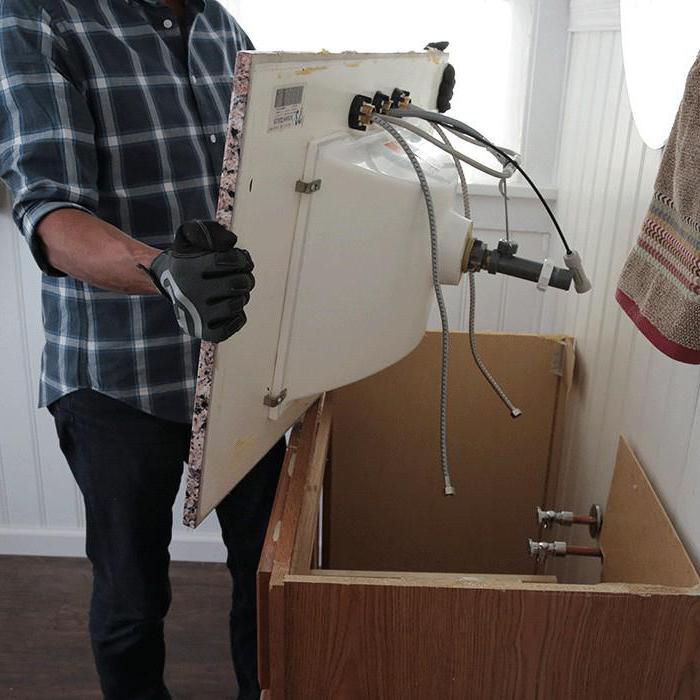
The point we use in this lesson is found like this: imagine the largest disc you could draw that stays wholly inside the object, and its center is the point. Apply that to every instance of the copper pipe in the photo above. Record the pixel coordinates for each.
(544, 550)
(566, 518)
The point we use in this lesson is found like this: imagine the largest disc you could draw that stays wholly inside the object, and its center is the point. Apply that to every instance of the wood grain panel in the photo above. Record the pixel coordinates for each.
(390, 641)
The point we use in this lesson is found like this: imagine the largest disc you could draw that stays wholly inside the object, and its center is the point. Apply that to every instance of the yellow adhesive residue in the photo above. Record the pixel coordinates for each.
(292, 462)
(244, 442)
(352, 65)
(310, 69)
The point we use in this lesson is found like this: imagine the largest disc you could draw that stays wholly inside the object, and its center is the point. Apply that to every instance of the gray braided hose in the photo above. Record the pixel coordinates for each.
(514, 412)
(449, 489)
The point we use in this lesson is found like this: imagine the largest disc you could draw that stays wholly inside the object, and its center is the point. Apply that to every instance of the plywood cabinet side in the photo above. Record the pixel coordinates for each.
(306, 530)
(280, 537)
(267, 560)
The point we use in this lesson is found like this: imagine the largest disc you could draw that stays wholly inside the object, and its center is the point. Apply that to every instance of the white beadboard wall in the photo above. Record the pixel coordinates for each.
(624, 385)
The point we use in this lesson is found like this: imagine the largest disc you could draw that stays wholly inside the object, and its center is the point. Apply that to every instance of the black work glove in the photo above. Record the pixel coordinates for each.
(446, 90)
(207, 279)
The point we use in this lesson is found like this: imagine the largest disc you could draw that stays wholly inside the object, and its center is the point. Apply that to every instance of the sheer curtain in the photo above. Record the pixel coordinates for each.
(489, 44)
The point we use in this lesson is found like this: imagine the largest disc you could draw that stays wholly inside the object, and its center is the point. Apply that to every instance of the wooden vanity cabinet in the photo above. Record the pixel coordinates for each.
(372, 584)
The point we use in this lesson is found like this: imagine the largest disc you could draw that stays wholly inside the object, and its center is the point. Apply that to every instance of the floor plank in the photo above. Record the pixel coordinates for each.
(44, 648)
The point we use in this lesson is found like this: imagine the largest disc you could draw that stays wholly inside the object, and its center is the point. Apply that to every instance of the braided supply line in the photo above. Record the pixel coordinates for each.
(444, 373)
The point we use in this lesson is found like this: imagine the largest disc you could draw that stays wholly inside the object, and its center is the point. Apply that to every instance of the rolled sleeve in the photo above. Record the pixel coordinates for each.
(28, 220)
(47, 147)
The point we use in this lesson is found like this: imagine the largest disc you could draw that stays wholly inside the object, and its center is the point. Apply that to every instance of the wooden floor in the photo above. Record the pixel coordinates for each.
(44, 648)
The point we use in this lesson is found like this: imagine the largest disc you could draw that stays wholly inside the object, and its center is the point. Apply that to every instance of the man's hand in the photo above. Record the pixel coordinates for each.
(207, 279)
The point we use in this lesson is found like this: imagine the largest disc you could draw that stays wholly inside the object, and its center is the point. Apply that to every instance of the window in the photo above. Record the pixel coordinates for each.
(489, 44)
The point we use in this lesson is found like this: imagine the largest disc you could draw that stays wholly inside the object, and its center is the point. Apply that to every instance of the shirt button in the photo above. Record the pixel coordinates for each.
(212, 138)
(168, 24)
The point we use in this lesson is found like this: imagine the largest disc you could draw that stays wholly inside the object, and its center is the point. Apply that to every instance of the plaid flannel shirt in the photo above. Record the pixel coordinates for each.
(108, 107)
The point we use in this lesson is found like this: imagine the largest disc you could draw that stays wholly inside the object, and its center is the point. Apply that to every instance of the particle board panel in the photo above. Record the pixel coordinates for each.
(446, 579)
(387, 640)
(639, 542)
(387, 509)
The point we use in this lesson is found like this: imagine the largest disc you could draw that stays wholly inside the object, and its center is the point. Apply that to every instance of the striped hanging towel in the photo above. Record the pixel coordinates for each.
(660, 283)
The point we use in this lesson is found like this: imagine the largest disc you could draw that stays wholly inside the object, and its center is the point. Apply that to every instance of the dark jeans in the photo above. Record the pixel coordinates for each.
(128, 465)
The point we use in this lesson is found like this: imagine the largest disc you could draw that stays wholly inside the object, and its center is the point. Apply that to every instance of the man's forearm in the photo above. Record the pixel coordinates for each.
(96, 252)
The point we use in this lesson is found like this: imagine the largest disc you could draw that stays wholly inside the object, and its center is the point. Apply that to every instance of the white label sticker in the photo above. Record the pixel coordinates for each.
(287, 108)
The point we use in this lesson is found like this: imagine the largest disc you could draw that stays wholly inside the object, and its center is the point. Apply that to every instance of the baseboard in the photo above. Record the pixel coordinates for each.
(71, 543)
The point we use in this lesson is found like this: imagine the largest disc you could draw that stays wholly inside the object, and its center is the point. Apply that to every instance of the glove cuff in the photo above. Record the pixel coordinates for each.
(153, 274)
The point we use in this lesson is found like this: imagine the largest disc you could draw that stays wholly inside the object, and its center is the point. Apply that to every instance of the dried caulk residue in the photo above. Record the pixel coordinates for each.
(310, 69)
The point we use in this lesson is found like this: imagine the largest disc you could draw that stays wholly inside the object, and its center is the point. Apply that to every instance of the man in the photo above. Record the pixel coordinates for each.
(113, 118)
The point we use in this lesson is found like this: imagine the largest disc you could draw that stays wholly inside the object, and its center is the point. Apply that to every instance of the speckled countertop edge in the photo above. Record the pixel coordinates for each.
(207, 355)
